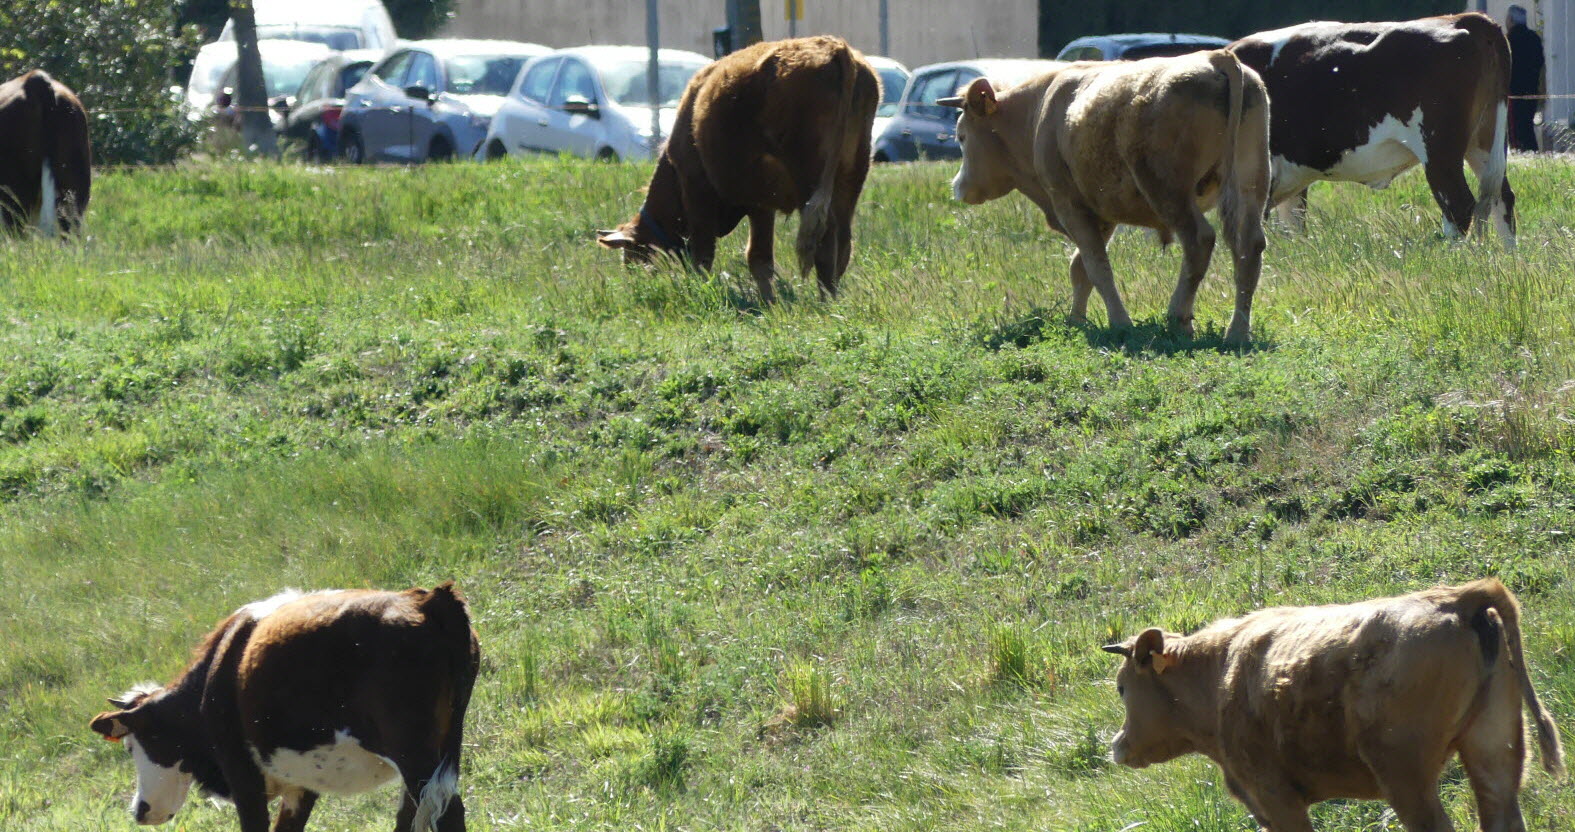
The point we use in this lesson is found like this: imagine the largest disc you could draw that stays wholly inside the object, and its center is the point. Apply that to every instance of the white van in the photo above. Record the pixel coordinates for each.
(337, 24)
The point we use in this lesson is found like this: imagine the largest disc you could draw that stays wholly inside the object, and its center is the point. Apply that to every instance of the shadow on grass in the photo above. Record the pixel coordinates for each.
(1143, 338)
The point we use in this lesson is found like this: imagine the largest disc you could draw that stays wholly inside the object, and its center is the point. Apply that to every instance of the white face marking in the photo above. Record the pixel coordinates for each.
(262, 609)
(163, 789)
(338, 767)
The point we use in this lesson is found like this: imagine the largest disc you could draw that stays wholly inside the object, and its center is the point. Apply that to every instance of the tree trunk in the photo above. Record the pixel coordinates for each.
(251, 94)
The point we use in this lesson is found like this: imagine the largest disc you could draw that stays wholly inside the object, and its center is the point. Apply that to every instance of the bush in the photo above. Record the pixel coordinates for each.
(116, 55)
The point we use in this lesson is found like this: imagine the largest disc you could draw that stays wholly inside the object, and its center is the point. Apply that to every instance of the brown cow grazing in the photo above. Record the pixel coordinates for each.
(1303, 704)
(1152, 143)
(338, 691)
(45, 161)
(1363, 102)
(780, 126)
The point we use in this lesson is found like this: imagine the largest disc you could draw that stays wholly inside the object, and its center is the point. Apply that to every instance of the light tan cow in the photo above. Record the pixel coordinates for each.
(1152, 143)
(1303, 704)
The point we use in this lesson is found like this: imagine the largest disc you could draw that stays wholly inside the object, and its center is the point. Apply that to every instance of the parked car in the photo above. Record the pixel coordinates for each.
(284, 64)
(591, 101)
(432, 99)
(922, 129)
(337, 24)
(893, 80)
(313, 112)
(1136, 46)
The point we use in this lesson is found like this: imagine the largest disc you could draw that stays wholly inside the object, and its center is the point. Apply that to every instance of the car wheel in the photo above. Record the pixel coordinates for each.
(606, 154)
(496, 151)
(880, 156)
(354, 153)
(314, 148)
(440, 151)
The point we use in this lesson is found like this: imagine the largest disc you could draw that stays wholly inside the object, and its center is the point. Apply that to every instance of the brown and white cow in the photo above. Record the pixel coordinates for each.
(779, 126)
(329, 692)
(1152, 143)
(1303, 704)
(45, 160)
(1364, 102)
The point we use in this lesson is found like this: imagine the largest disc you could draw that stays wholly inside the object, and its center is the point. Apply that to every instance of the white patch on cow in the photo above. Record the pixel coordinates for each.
(259, 610)
(1392, 147)
(162, 788)
(1451, 232)
(48, 207)
(435, 796)
(1277, 38)
(338, 767)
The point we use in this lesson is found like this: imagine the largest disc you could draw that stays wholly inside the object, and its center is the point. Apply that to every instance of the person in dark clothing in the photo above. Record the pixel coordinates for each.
(1525, 78)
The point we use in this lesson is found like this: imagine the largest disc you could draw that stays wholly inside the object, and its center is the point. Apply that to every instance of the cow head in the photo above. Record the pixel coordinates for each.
(987, 170)
(1156, 727)
(637, 242)
(150, 735)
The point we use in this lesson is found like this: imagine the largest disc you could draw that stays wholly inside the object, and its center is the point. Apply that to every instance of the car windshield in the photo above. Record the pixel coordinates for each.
(333, 37)
(483, 74)
(892, 80)
(280, 77)
(628, 82)
(1162, 50)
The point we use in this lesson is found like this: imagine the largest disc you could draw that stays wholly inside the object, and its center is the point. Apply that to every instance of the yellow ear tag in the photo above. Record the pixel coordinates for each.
(1164, 662)
(108, 738)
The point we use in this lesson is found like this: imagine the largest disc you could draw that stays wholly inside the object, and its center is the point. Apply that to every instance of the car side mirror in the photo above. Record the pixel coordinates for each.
(420, 93)
(580, 107)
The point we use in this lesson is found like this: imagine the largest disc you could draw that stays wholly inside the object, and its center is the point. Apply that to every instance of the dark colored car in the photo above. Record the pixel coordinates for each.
(313, 115)
(1136, 46)
(431, 100)
(922, 129)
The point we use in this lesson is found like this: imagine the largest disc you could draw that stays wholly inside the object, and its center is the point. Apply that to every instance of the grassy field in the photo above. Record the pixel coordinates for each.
(821, 566)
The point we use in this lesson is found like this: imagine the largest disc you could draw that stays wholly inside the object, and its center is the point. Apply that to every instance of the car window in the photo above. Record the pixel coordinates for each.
(334, 37)
(892, 81)
(629, 82)
(349, 77)
(574, 84)
(538, 80)
(1082, 53)
(393, 69)
(1161, 50)
(929, 88)
(423, 72)
(482, 74)
(311, 87)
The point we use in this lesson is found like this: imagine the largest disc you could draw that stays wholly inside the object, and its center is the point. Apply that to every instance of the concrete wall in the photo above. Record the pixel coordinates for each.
(920, 32)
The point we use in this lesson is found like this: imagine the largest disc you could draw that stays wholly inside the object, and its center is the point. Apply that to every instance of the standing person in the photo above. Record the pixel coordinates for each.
(1526, 77)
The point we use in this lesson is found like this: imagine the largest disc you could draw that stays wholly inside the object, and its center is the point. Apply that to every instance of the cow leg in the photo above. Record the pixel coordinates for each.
(1091, 269)
(1493, 752)
(1407, 770)
(826, 256)
(250, 796)
(1500, 209)
(1197, 248)
(1448, 181)
(1276, 808)
(294, 810)
(762, 260)
(1293, 211)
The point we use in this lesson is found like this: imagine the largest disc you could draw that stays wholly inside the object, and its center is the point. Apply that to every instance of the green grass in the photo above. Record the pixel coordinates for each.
(825, 565)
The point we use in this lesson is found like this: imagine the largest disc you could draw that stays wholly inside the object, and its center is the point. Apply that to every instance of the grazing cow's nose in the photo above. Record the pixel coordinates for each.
(142, 811)
(1118, 749)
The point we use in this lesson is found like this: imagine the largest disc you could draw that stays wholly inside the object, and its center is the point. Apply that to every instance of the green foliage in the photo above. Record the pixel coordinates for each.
(116, 55)
(416, 19)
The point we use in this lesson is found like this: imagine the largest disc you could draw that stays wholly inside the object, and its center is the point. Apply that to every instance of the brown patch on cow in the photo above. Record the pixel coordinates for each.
(1299, 705)
(42, 123)
(775, 128)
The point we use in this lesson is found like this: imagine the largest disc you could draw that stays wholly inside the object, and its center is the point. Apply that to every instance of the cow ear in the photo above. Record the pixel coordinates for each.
(614, 239)
(1149, 643)
(980, 97)
(111, 725)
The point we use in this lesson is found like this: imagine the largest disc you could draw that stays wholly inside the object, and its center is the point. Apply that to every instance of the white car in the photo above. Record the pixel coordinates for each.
(591, 101)
(337, 24)
(284, 64)
(893, 80)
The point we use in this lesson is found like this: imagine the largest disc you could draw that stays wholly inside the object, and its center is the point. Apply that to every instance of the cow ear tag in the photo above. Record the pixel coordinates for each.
(1165, 661)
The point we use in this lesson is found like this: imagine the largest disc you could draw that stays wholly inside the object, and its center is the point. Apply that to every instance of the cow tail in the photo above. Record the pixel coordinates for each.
(445, 609)
(1231, 207)
(40, 90)
(1495, 605)
(815, 218)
